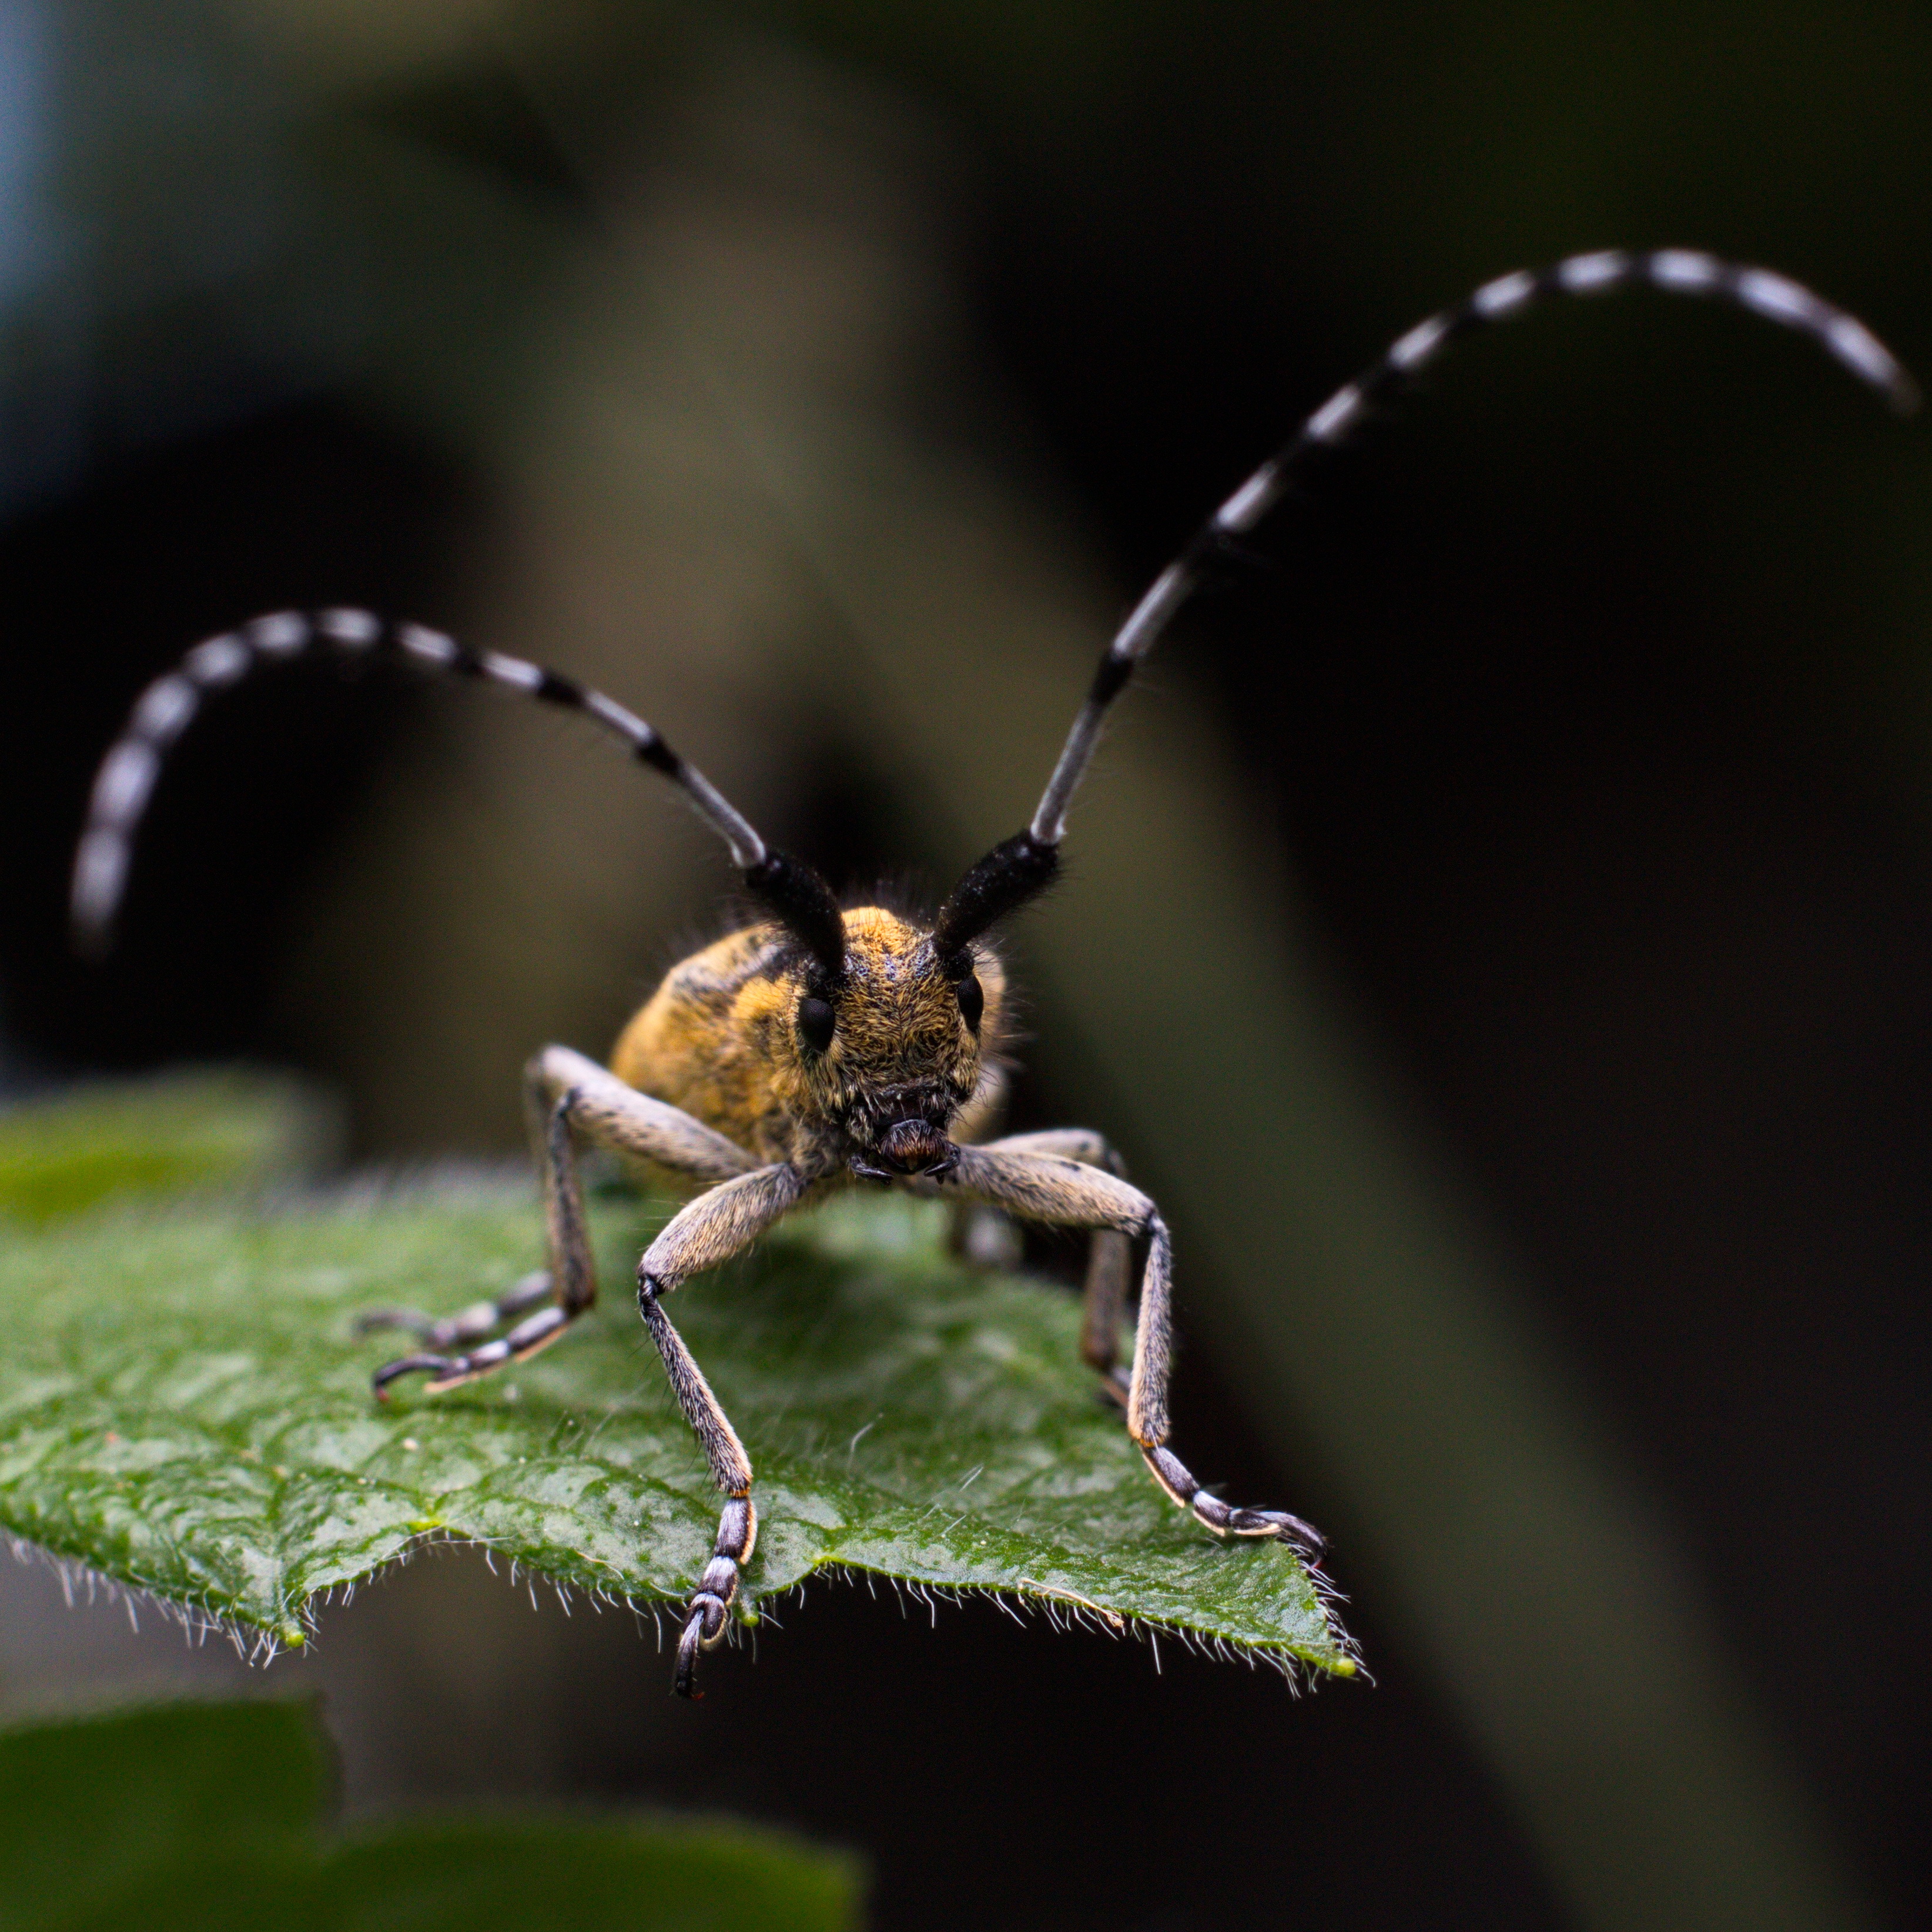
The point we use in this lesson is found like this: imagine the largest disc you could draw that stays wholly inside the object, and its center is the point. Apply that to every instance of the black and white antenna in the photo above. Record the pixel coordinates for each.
(1020, 866)
(1676, 271)
(793, 893)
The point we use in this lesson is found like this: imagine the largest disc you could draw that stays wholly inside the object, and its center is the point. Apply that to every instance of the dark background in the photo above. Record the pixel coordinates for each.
(1588, 696)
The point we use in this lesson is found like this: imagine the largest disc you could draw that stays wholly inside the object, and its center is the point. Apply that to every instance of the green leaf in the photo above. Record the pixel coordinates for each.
(183, 1405)
(203, 1816)
(541, 1875)
(90, 1810)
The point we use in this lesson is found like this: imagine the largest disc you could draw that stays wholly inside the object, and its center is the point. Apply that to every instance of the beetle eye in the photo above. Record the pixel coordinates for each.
(972, 1001)
(816, 1020)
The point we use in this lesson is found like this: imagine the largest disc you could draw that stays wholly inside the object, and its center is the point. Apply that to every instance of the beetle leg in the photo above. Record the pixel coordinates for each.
(1109, 1252)
(714, 1227)
(1060, 1191)
(567, 1097)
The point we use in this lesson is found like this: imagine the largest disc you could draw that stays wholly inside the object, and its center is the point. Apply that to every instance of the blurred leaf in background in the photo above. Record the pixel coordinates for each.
(210, 1817)
(187, 1132)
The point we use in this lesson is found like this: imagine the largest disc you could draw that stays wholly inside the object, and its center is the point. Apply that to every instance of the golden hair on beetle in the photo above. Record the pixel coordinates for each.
(721, 1039)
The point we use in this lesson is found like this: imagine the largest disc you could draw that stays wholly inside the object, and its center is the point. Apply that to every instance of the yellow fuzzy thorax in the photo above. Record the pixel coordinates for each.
(720, 1039)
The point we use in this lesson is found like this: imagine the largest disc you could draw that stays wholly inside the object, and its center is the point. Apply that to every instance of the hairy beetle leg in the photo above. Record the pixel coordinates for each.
(707, 1231)
(467, 1325)
(711, 1602)
(1174, 1477)
(448, 1372)
(1066, 1179)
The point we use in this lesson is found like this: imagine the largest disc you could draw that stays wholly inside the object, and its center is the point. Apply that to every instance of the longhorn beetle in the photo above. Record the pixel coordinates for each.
(822, 1046)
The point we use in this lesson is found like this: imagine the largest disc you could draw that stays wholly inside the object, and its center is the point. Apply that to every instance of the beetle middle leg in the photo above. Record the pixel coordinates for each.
(567, 1095)
(1058, 1191)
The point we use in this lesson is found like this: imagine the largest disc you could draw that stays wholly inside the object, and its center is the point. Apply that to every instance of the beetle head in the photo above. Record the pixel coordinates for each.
(889, 1050)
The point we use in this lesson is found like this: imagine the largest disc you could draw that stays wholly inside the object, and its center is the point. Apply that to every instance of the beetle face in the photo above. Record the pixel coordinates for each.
(889, 1055)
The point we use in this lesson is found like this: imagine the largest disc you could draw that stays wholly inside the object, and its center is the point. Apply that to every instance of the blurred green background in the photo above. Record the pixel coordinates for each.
(1498, 930)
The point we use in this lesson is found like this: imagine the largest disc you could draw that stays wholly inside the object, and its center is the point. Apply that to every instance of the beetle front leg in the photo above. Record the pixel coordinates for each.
(1067, 1193)
(1147, 1423)
(738, 1523)
(1103, 1300)
(711, 1229)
